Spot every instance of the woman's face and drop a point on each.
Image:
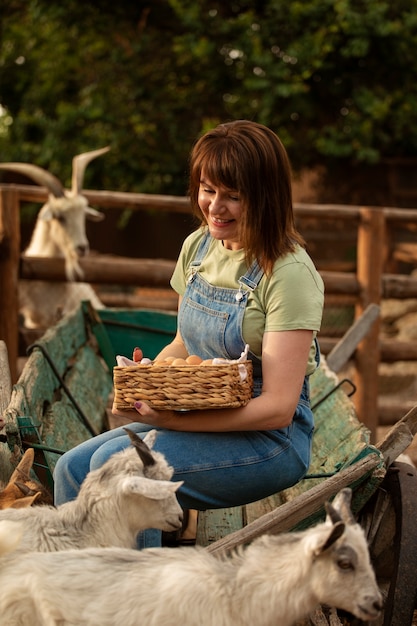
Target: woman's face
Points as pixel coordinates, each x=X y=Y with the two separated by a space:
x=223 y=211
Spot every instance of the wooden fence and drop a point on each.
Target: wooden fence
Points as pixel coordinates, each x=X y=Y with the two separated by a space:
x=366 y=279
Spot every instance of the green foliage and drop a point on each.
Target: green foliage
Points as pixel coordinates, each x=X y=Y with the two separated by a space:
x=334 y=78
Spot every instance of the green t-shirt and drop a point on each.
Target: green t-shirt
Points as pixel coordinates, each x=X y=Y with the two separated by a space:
x=291 y=298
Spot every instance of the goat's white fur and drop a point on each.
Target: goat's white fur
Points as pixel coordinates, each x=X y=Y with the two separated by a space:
x=114 y=503
x=273 y=582
x=59 y=232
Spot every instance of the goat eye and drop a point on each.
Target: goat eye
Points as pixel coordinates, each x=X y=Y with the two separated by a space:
x=345 y=564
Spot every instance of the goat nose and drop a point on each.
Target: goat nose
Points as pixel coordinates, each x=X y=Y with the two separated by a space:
x=82 y=250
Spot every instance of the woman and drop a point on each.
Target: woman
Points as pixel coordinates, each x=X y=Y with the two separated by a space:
x=244 y=277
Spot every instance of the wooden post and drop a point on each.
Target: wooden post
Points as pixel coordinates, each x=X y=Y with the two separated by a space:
x=370 y=249
x=9 y=273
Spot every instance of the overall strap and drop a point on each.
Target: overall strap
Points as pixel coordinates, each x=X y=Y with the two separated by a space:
x=250 y=280
x=252 y=277
x=201 y=251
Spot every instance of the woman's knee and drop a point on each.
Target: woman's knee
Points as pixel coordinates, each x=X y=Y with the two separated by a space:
x=107 y=450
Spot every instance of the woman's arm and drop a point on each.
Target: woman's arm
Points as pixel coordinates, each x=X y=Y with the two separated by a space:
x=284 y=361
x=176 y=347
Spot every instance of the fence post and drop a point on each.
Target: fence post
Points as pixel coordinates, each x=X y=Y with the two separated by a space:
x=370 y=248
x=9 y=273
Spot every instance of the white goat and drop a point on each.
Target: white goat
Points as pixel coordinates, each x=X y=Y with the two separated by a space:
x=132 y=491
x=275 y=581
x=59 y=232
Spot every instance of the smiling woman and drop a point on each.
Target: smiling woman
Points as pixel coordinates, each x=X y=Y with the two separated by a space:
x=244 y=168
x=243 y=277
x=222 y=211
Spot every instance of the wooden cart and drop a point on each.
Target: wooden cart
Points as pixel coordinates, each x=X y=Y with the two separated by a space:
x=63 y=397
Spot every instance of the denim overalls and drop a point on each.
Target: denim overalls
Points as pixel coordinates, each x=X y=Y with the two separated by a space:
x=219 y=469
x=218 y=312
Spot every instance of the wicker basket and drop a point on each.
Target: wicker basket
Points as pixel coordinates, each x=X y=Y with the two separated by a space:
x=182 y=387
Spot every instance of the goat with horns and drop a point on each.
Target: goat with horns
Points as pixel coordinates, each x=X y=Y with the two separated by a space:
x=59 y=232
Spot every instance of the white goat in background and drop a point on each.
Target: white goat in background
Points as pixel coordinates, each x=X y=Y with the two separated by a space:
x=132 y=491
x=275 y=581
x=59 y=232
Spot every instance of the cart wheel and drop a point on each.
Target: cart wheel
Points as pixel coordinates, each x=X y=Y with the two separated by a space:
x=393 y=543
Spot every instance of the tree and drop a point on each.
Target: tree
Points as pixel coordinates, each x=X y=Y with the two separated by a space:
x=334 y=78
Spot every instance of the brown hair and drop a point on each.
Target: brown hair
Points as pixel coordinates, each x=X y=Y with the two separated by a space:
x=248 y=157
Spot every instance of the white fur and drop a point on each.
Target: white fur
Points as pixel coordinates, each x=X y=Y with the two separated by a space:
x=275 y=581
x=59 y=232
x=114 y=503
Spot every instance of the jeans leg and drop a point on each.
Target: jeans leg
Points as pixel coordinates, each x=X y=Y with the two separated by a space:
x=73 y=466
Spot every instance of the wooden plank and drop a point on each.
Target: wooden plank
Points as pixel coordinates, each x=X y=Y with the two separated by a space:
x=341 y=353
x=64 y=386
x=140 y=201
x=6 y=467
x=102 y=268
x=399 y=437
x=5 y=380
x=9 y=273
x=216 y=523
x=287 y=516
x=370 y=250
x=399 y=286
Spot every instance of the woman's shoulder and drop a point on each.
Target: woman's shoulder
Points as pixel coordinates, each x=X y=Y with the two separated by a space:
x=296 y=265
x=299 y=256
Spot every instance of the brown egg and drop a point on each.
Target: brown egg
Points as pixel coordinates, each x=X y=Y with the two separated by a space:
x=179 y=361
x=159 y=363
x=137 y=355
x=169 y=359
x=207 y=362
x=193 y=359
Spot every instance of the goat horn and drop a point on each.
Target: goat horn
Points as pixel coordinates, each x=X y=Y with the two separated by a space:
x=79 y=163
x=38 y=174
x=141 y=448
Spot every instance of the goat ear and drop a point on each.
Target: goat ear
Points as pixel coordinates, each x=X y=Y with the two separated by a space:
x=150 y=488
x=150 y=437
x=326 y=541
x=26 y=501
x=24 y=466
x=342 y=504
x=332 y=515
x=339 y=509
x=93 y=215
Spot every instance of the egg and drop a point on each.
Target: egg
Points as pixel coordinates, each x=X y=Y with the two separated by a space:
x=179 y=361
x=207 y=362
x=193 y=359
x=160 y=363
x=137 y=355
x=169 y=359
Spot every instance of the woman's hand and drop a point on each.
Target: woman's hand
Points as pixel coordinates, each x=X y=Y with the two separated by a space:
x=163 y=419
